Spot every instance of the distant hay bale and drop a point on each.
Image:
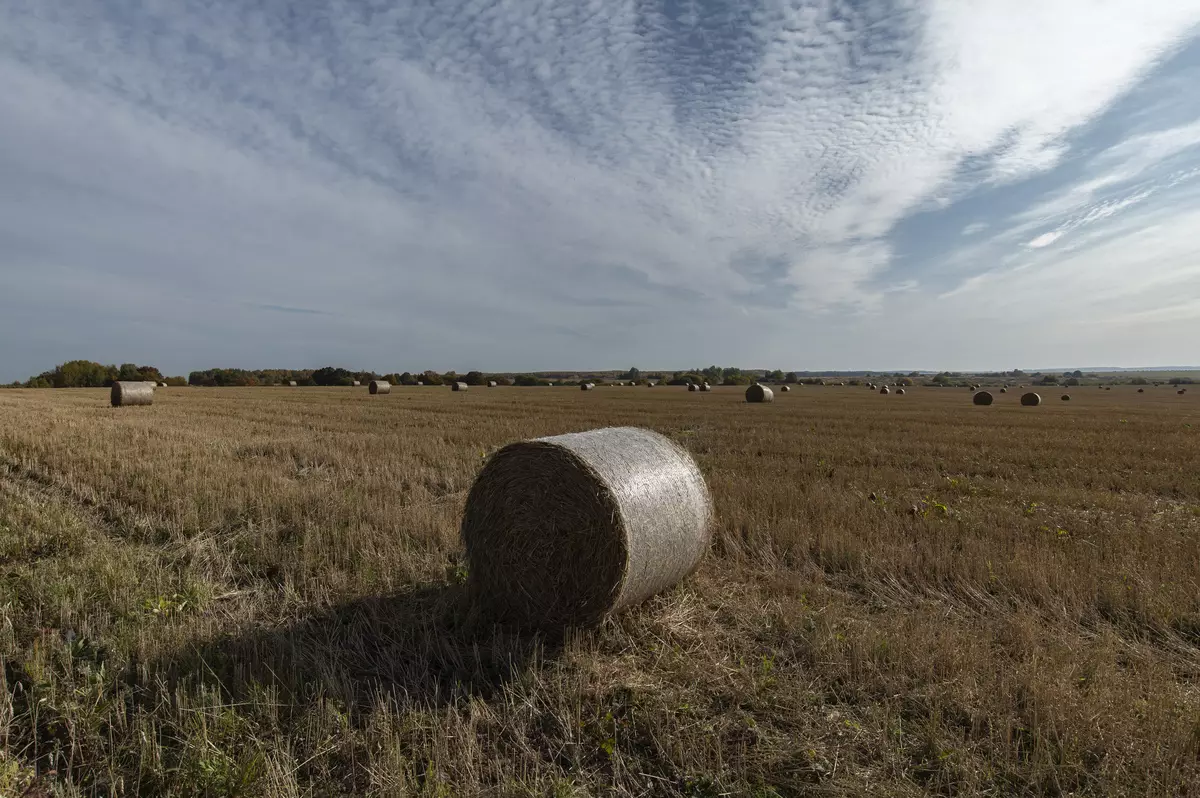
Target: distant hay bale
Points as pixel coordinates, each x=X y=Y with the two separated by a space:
x=420 y=382
x=784 y=388
x=982 y=398
x=705 y=388
x=1181 y=391
x=131 y=394
x=1003 y=390
x=1031 y=400
x=379 y=386
x=899 y=392
x=458 y=386
x=650 y=384
x=972 y=389
x=759 y=393
x=1107 y=388
x=1141 y=390
x=162 y=385
x=1066 y=397
x=292 y=383
x=587 y=386
x=492 y=383
x=692 y=388
x=569 y=529
x=357 y=383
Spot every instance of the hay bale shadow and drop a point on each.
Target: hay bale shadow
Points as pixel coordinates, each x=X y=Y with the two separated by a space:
x=424 y=648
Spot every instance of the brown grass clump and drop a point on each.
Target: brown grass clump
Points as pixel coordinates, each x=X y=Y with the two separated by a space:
x=131 y=394
x=379 y=386
x=982 y=398
x=1031 y=399
x=568 y=529
x=758 y=393
x=458 y=386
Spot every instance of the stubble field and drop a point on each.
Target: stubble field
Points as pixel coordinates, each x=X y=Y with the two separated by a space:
x=258 y=592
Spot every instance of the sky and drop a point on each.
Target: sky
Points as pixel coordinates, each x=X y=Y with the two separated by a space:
x=517 y=185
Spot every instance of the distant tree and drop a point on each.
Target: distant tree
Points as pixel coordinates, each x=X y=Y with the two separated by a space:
x=528 y=380
x=450 y=377
x=407 y=379
x=431 y=378
x=474 y=378
x=1139 y=381
x=333 y=376
x=791 y=377
x=1072 y=381
x=1077 y=374
x=633 y=374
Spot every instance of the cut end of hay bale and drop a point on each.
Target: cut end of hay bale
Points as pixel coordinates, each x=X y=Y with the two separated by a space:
x=131 y=394
x=983 y=398
x=1031 y=400
x=565 y=530
x=379 y=386
x=1066 y=397
x=759 y=393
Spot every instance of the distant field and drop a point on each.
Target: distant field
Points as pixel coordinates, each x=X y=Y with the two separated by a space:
x=256 y=592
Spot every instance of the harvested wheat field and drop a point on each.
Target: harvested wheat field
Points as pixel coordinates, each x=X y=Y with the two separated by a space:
x=260 y=592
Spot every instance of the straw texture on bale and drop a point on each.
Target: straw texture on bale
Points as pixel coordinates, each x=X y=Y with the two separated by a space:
x=131 y=394
x=587 y=386
x=458 y=386
x=785 y=388
x=568 y=529
x=379 y=386
x=1031 y=400
x=884 y=390
x=982 y=398
x=759 y=393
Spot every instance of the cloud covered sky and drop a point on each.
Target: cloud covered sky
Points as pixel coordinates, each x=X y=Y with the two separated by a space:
x=525 y=184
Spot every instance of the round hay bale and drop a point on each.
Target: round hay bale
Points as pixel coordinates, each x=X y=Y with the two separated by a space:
x=899 y=392
x=1003 y=390
x=1181 y=391
x=379 y=386
x=292 y=383
x=759 y=393
x=972 y=389
x=884 y=390
x=458 y=386
x=983 y=398
x=587 y=386
x=568 y=529
x=1031 y=400
x=1141 y=390
x=705 y=388
x=1066 y=397
x=131 y=394
x=492 y=383
x=357 y=383
x=162 y=385
x=784 y=388
x=692 y=388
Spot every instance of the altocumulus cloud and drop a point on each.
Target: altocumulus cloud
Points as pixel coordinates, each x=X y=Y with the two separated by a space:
x=533 y=185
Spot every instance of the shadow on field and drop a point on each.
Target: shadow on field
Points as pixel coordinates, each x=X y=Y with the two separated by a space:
x=418 y=648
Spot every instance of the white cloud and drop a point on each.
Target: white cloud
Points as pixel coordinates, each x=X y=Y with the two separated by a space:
x=390 y=165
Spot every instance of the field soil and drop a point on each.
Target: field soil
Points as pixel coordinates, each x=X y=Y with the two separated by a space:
x=259 y=592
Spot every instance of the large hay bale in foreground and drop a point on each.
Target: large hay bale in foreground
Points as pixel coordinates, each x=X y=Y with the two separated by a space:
x=131 y=394
x=379 y=386
x=1031 y=400
x=759 y=393
x=982 y=398
x=458 y=386
x=568 y=529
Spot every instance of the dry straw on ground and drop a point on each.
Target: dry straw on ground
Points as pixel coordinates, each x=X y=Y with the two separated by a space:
x=982 y=398
x=458 y=386
x=567 y=529
x=379 y=386
x=129 y=394
x=759 y=393
x=1031 y=399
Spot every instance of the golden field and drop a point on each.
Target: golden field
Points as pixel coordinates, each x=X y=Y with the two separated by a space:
x=258 y=592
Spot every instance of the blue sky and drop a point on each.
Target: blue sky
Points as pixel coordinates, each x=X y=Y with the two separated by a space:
x=520 y=185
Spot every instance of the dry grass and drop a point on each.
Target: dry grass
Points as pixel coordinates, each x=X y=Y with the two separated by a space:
x=924 y=597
